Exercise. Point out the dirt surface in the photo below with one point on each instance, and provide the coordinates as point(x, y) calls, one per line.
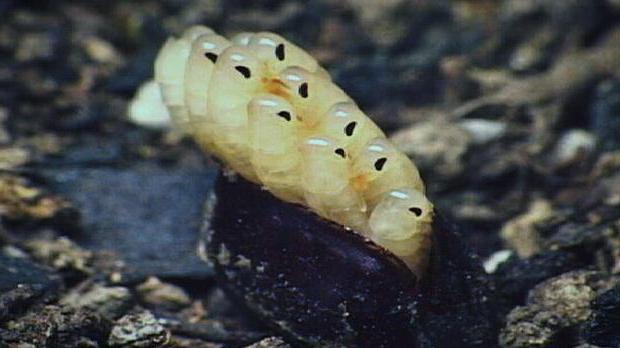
point(511, 109)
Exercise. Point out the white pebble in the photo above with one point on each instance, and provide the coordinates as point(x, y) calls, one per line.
point(482, 131)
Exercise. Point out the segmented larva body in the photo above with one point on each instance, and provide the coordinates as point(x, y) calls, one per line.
point(265, 108)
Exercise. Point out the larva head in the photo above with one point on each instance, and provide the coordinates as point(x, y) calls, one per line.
point(207, 48)
point(347, 123)
point(309, 93)
point(170, 69)
point(280, 53)
point(172, 58)
point(380, 167)
point(241, 64)
point(236, 80)
point(376, 156)
point(400, 214)
point(325, 165)
point(402, 223)
point(204, 52)
point(272, 125)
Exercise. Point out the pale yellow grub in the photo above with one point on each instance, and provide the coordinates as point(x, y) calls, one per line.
point(380, 167)
point(345, 122)
point(310, 94)
point(272, 130)
point(170, 72)
point(402, 223)
point(326, 185)
point(204, 52)
point(270, 112)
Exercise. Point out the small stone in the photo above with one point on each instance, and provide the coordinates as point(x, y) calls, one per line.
point(380, 19)
point(492, 262)
point(140, 330)
point(34, 46)
point(156, 293)
point(573, 145)
point(520, 232)
point(23, 284)
point(270, 342)
point(436, 145)
point(109, 302)
point(54, 326)
point(19, 200)
point(101, 51)
point(62, 254)
point(483, 131)
point(12, 157)
point(552, 306)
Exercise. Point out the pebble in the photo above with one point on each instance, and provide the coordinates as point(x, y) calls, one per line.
point(571, 145)
point(139, 330)
point(435, 145)
point(520, 233)
point(552, 306)
point(157, 293)
point(483, 131)
point(108, 301)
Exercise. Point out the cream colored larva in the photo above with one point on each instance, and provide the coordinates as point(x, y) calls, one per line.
point(267, 110)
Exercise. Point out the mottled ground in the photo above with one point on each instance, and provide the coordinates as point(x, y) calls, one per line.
point(511, 108)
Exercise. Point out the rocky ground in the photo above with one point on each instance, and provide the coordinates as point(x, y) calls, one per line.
point(511, 108)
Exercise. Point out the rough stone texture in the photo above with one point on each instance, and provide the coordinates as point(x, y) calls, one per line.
point(140, 330)
point(156, 293)
point(54, 326)
point(109, 302)
point(552, 307)
point(61, 254)
point(603, 326)
point(23, 284)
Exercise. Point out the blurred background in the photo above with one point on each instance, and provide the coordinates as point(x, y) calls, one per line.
point(510, 108)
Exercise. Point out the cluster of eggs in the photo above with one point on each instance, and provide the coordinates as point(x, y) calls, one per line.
point(268, 111)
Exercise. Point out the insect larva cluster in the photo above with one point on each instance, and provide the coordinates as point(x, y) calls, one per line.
point(265, 108)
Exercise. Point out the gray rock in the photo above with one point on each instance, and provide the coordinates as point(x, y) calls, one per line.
point(23, 284)
point(138, 330)
point(146, 214)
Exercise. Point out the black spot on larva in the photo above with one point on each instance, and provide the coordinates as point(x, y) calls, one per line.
point(212, 56)
point(285, 115)
point(340, 152)
point(303, 90)
point(380, 163)
point(244, 70)
point(417, 211)
point(348, 130)
point(280, 52)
